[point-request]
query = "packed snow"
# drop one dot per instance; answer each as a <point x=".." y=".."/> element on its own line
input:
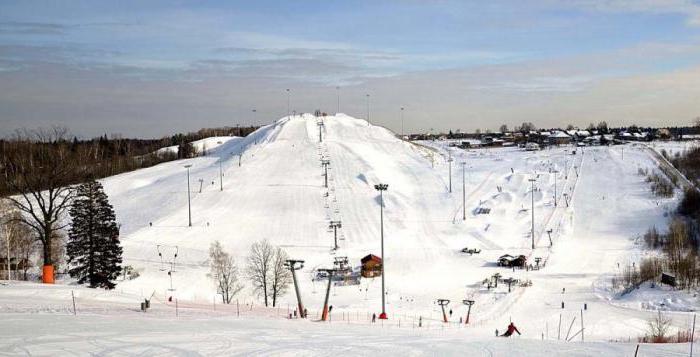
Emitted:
<point x="273" y="189"/>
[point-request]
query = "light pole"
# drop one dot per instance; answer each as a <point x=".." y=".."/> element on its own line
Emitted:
<point x="532" y="232"/>
<point x="449" y="162"/>
<point x="292" y="265"/>
<point x="335" y="225"/>
<point x="381" y="188"/>
<point x="189" y="204"/>
<point x="368" y="122"/>
<point x="555" y="186"/>
<point x="287" y="101"/>
<point x="337" y="90"/>
<point x="464" y="192"/>
<point x="221" y="176"/>
<point x="402" y="132"/>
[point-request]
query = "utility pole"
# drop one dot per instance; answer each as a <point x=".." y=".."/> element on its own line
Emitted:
<point x="464" y="192"/>
<point x="221" y="176"/>
<point x="292" y="265"/>
<point x="287" y="101"/>
<point x="381" y="188"/>
<point x="532" y="232"/>
<point x="335" y="225"/>
<point x="402" y="132"/>
<point x="368" y="122"/>
<point x="469" y="303"/>
<point x="449" y="162"/>
<point x="324" y="315"/>
<point x="325" y="164"/>
<point x="189" y="204"/>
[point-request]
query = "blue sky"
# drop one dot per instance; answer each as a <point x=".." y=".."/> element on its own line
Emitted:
<point x="148" y="68"/>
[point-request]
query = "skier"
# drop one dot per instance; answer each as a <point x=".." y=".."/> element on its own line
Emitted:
<point x="450" y="312"/>
<point x="511" y="329"/>
<point x="306" y="313"/>
<point x="374" y="318"/>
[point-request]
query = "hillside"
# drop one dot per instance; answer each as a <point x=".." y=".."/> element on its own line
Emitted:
<point x="277" y="193"/>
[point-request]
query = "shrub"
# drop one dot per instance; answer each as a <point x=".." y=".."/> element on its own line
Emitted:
<point x="690" y="204"/>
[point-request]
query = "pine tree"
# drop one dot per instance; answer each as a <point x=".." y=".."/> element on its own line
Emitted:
<point x="93" y="249"/>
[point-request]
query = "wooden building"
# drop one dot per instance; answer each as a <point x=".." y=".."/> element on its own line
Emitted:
<point x="371" y="266"/>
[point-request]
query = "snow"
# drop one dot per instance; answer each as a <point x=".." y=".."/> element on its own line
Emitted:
<point x="201" y="146"/>
<point x="277" y="194"/>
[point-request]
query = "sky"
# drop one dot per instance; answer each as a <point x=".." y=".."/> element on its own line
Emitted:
<point x="154" y="68"/>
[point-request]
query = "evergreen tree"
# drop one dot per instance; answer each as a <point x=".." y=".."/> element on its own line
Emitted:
<point x="93" y="249"/>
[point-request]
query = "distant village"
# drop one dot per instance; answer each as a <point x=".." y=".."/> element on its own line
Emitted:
<point x="530" y="138"/>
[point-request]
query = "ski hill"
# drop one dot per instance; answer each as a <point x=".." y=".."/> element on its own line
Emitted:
<point x="271" y="185"/>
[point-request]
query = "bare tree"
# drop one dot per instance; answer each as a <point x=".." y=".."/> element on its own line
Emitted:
<point x="658" y="328"/>
<point x="41" y="178"/>
<point x="258" y="270"/>
<point x="18" y="243"/>
<point x="224" y="271"/>
<point x="281" y="276"/>
<point x="503" y="128"/>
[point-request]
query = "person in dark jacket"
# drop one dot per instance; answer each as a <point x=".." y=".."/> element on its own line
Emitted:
<point x="511" y="329"/>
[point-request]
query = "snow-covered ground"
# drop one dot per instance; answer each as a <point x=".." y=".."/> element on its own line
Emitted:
<point x="603" y="206"/>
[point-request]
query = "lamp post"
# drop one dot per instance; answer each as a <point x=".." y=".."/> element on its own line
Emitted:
<point x="449" y="162"/>
<point x="189" y="204"/>
<point x="335" y="225"/>
<point x="368" y="122"/>
<point x="381" y="188"/>
<point x="295" y="265"/>
<point x="287" y="101"/>
<point x="555" y="172"/>
<point x="532" y="232"/>
<point x="221" y="176"/>
<point x="337" y="89"/>
<point x="402" y="132"/>
<point x="464" y="192"/>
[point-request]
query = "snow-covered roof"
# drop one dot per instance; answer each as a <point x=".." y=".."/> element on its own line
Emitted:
<point x="583" y="133"/>
<point x="558" y="134"/>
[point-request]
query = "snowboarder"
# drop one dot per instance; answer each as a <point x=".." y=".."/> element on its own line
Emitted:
<point x="511" y="329"/>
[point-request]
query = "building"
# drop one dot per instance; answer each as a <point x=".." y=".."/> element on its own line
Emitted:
<point x="559" y="138"/>
<point x="371" y="266"/>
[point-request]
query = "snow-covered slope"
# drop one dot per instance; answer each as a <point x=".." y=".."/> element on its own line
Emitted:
<point x="277" y="193"/>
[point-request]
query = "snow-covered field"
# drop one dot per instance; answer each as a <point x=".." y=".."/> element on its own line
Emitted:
<point x="603" y="206"/>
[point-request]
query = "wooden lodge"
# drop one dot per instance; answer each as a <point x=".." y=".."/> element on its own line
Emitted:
<point x="371" y="266"/>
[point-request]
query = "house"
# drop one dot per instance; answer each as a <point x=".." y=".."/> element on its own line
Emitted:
<point x="508" y="260"/>
<point x="559" y="138"/>
<point x="371" y="266"/>
<point x="532" y="147"/>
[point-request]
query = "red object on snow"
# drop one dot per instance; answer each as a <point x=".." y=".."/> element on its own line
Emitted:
<point x="382" y="316"/>
<point x="511" y="329"/>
